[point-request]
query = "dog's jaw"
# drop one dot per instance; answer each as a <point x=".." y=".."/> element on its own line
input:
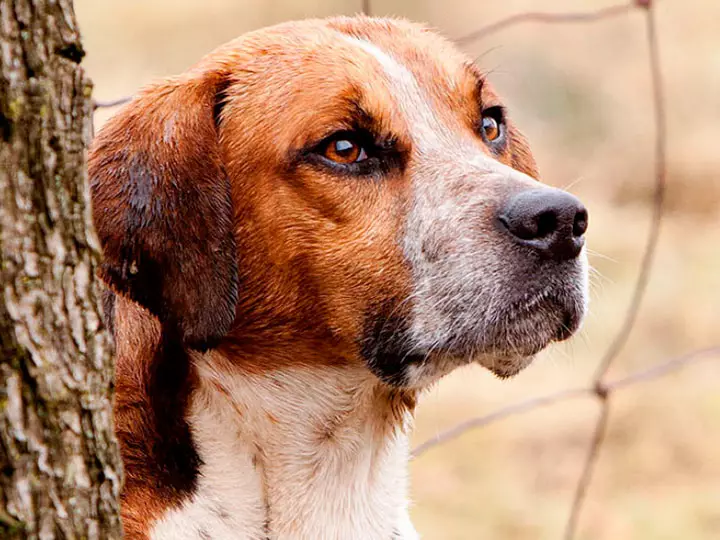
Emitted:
<point x="329" y="464"/>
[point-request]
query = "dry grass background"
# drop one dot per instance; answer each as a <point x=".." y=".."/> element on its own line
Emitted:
<point x="581" y="92"/>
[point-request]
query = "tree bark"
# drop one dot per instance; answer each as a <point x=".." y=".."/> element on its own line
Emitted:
<point x="59" y="462"/>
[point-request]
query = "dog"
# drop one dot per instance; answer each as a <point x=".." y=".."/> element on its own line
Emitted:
<point x="301" y="233"/>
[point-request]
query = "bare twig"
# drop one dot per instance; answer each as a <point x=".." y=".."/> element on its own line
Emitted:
<point x="587" y="472"/>
<point x="512" y="410"/>
<point x="112" y="103"/>
<point x="659" y="198"/>
<point x="645" y="268"/>
<point x="662" y="369"/>
<point x="547" y="18"/>
<point x="643" y="375"/>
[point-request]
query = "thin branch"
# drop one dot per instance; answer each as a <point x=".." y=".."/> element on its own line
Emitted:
<point x="644" y="375"/>
<point x="663" y="369"/>
<point x="112" y="103"/>
<point x="588" y="469"/>
<point x="512" y="410"/>
<point x="643" y="279"/>
<point x="658" y="202"/>
<point x="547" y="18"/>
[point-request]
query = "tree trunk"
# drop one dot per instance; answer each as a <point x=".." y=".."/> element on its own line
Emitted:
<point x="59" y="464"/>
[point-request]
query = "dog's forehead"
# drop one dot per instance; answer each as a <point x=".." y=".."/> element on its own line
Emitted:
<point x="392" y="42"/>
<point x="386" y="66"/>
<point x="349" y="40"/>
<point x="415" y="101"/>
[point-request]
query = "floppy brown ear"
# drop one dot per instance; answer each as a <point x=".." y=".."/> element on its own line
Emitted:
<point x="162" y="208"/>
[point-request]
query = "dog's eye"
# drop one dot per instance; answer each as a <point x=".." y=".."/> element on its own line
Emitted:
<point x="492" y="126"/>
<point x="344" y="150"/>
<point x="355" y="152"/>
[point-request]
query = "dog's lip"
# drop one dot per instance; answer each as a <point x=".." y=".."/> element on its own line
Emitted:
<point x="532" y="302"/>
<point x="530" y="324"/>
<point x="556" y="318"/>
<point x="543" y="303"/>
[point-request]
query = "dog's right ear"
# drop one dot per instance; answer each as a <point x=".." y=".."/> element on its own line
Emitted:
<point x="162" y="208"/>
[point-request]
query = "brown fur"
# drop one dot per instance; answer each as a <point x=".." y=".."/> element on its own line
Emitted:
<point x="215" y="237"/>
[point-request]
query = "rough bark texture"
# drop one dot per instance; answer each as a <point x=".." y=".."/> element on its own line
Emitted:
<point x="59" y="464"/>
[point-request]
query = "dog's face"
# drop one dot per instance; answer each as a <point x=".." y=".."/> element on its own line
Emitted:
<point x="349" y="189"/>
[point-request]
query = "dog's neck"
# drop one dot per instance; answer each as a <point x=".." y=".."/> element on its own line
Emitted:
<point x="301" y="452"/>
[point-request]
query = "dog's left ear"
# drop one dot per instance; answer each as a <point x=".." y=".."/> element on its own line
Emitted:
<point x="162" y="208"/>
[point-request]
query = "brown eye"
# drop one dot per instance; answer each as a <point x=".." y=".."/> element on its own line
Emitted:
<point x="491" y="128"/>
<point x="344" y="151"/>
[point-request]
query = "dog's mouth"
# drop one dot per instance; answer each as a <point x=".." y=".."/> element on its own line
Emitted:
<point x="525" y="328"/>
<point x="505" y="343"/>
<point x="547" y="309"/>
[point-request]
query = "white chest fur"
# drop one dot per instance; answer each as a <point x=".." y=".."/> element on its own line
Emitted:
<point x="301" y="453"/>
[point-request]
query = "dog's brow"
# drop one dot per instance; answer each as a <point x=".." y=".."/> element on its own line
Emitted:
<point x="476" y="73"/>
<point x="478" y="77"/>
<point x="411" y="98"/>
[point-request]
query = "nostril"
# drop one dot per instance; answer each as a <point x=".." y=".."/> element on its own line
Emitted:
<point x="546" y="224"/>
<point x="550" y="221"/>
<point x="525" y="229"/>
<point x="504" y="220"/>
<point x="580" y="223"/>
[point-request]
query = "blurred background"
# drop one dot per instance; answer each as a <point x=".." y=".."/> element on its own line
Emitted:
<point x="581" y="93"/>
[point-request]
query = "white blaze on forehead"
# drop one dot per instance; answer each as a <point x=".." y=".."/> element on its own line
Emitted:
<point x="415" y="104"/>
<point x="429" y="133"/>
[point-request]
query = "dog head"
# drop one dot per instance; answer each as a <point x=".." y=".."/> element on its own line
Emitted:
<point x="348" y="190"/>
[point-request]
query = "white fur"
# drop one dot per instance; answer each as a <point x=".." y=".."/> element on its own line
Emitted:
<point x="429" y="134"/>
<point x="297" y="454"/>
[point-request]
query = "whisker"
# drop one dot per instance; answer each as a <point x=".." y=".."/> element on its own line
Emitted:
<point x="600" y="255"/>
<point x="485" y="53"/>
<point x="573" y="183"/>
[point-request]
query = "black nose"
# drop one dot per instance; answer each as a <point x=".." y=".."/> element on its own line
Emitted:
<point x="549" y="220"/>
